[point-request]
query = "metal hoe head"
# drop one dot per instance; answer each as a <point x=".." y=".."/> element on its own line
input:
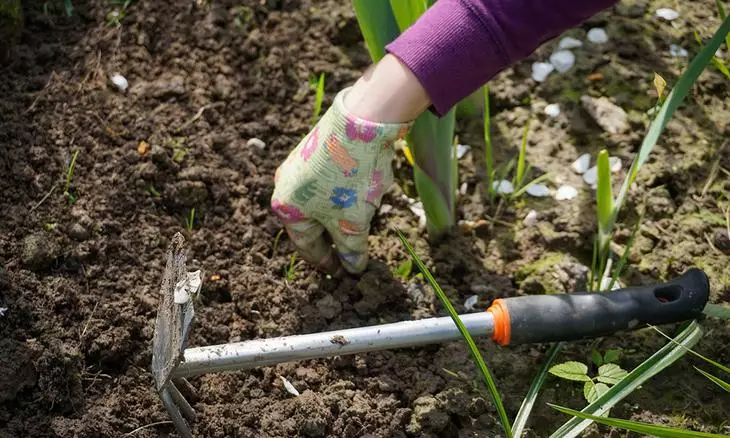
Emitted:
<point x="174" y="319"/>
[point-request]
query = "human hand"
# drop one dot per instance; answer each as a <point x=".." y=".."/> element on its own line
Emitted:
<point x="331" y="184"/>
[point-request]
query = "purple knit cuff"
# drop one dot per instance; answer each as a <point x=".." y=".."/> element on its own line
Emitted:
<point x="450" y="51"/>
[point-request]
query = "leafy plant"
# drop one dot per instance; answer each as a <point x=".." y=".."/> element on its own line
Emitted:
<point x="473" y="350"/>
<point x="431" y="138"/>
<point x="403" y="271"/>
<point x="116" y="16"/>
<point x="70" y="197"/>
<point x="593" y="387"/>
<point x="190" y="220"/>
<point x="318" y="87"/>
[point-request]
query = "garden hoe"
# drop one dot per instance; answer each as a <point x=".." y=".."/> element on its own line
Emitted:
<point x="509" y="321"/>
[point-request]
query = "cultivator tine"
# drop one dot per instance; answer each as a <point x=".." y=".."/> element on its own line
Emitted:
<point x="174" y="320"/>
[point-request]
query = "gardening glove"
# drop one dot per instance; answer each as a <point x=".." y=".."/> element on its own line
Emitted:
<point x="333" y="181"/>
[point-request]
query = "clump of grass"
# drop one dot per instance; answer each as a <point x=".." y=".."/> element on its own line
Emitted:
<point x="70" y="197"/>
<point x="190" y="220"/>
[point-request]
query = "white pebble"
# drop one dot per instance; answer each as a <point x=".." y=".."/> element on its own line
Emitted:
<point x="597" y="36"/>
<point x="569" y="43"/>
<point x="417" y="209"/>
<point x="581" y="164"/>
<point x="463" y="188"/>
<point x="461" y="150"/>
<point x="541" y="70"/>
<point x="615" y="163"/>
<point x="566" y="192"/>
<point x="3" y="310"/>
<point x="289" y="387"/>
<point x="385" y="208"/>
<point x="531" y="219"/>
<point x="503" y="186"/>
<point x="677" y="51"/>
<point x="257" y="143"/>
<point x="538" y="190"/>
<point x="591" y="176"/>
<point x="120" y="82"/>
<point x="552" y="110"/>
<point x="562" y="60"/>
<point x="668" y="14"/>
<point x="470" y="302"/>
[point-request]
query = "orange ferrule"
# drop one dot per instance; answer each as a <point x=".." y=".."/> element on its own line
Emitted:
<point x="500" y="314"/>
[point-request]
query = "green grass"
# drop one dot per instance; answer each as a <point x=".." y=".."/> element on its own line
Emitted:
<point x="318" y="87"/>
<point x="190" y="220"/>
<point x="290" y="270"/>
<point x="70" y="197"/>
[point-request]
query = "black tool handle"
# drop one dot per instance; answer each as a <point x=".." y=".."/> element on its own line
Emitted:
<point x="568" y="317"/>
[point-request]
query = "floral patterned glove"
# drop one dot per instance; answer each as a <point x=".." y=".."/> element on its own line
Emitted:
<point x="333" y="181"/>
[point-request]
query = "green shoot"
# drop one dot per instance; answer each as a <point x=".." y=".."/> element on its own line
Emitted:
<point x="719" y="382"/>
<point x="660" y="360"/>
<point x="290" y="270"/>
<point x="593" y="387"/>
<point x="604" y="201"/>
<point x="716" y="62"/>
<point x="154" y="192"/>
<point x="520" y="173"/>
<point x="488" y="154"/>
<point x="635" y="426"/>
<point x="190" y="220"/>
<point x="179" y="150"/>
<point x="276" y="241"/>
<point x="69" y="176"/>
<point x="476" y="356"/>
<point x="318" y="87"/>
<point x="403" y="271"/>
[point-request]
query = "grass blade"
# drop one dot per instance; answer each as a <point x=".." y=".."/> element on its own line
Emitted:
<point x="529" y="402"/>
<point x="625" y="257"/>
<point x="520" y="173"/>
<point x="689" y="350"/>
<point x="406" y="12"/>
<point x="674" y="99"/>
<point x="721" y="383"/>
<point x="488" y="155"/>
<point x="646" y="370"/>
<point x="604" y="200"/>
<point x="319" y="96"/>
<point x="723" y="16"/>
<point x="476" y="356"/>
<point x="377" y="24"/>
<point x="636" y="426"/>
<point x="523" y="189"/>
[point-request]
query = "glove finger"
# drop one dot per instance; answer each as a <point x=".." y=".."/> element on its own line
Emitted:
<point x="309" y="239"/>
<point x="351" y="243"/>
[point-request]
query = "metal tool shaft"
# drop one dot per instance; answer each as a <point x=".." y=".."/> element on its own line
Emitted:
<point x="264" y="352"/>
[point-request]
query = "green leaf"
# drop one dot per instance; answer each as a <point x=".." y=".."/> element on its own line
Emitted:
<point x="723" y="16"/>
<point x="319" y="96"/>
<point x="475" y="354"/>
<point x="404" y="269"/>
<point x="571" y="370"/>
<point x="674" y="99"/>
<point x="660" y="360"/>
<point x="718" y="381"/>
<point x="611" y="373"/>
<point x="636" y="426"/>
<point x="520" y="174"/>
<point x="717" y="310"/>
<point x="591" y="391"/>
<point x="611" y="356"/>
<point x="604" y="201"/>
<point x="526" y="408"/>
<point x="406" y="12"/>
<point x="596" y="358"/>
<point x="716" y="62"/>
<point x="377" y="24"/>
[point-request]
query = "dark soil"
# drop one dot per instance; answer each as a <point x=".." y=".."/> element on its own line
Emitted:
<point x="80" y="280"/>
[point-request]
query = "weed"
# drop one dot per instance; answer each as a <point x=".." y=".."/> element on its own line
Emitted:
<point x="403" y="271"/>
<point x="179" y="150"/>
<point x="116" y="16"/>
<point x="609" y="373"/>
<point x="49" y="226"/>
<point x="153" y="191"/>
<point x="290" y="270"/>
<point x="190" y="220"/>
<point x="318" y="86"/>
<point x="71" y="198"/>
<point x="276" y="241"/>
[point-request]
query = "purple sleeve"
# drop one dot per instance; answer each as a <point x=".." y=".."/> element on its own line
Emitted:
<point x="459" y="45"/>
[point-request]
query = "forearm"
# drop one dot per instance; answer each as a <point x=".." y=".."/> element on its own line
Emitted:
<point x="458" y="45"/>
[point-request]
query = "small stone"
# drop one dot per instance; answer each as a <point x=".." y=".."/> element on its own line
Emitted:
<point x="538" y="190"/>
<point x="609" y="116"/>
<point x="3" y="311"/>
<point x="569" y="43"/>
<point x="78" y="232"/>
<point x="541" y="70"/>
<point x="461" y="150"/>
<point x="615" y="163"/>
<point x="597" y="36"/>
<point x="223" y="87"/>
<point x="668" y="14"/>
<point x="503" y="186"/>
<point x="463" y="188"/>
<point x="256" y="143"/>
<point x="552" y="110"/>
<point x="470" y="302"/>
<point x="417" y="209"/>
<point x="722" y="240"/>
<point x="120" y="82"/>
<point x="566" y="192"/>
<point x="591" y="176"/>
<point x="677" y="51"/>
<point x="39" y="251"/>
<point x="531" y="219"/>
<point x="385" y="208"/>
<point x="289" y="387"/>
<point x="562" y="60"/>
<point x="580" y="166"/>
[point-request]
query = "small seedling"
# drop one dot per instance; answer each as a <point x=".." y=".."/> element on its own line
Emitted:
<point x="69" y="176"/>
<point x="190" y="220"/>
<point x="276" y="241"/>
<point x="403" y="271"/>
<point x="153" y="191"/>
<point x="116" y="16"/>
<point x="179" y="150"/>
<point x="290" y="270"/>
<point x="318" y="86"/>
<point x="609" y="374"/>
<point x="242" y="16"/>
<point x="49" y="226"/>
